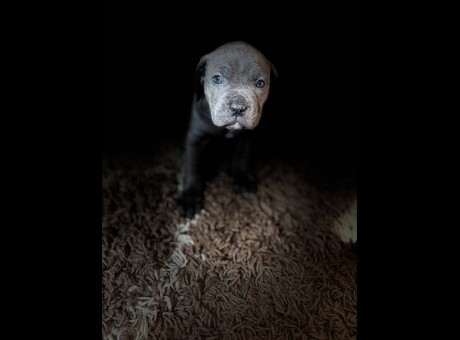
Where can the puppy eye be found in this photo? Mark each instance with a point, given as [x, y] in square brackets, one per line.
[218, 79]
[260, 83]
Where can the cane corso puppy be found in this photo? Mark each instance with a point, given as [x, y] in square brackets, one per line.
[232, 85]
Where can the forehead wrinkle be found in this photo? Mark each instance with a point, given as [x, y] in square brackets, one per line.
[255, 72]
[225, 70]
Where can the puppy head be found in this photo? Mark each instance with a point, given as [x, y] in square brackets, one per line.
[235, 79]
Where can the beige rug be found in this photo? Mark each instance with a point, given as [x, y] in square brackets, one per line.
[278, 264]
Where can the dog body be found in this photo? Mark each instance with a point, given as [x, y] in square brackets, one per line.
[232, 85]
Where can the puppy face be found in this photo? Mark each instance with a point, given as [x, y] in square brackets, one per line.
[236, 82]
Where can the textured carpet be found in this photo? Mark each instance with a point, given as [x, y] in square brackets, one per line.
[278, 264]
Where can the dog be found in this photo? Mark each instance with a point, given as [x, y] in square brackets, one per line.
[232, 84]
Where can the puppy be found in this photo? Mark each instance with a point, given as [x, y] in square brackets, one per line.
[232, 85]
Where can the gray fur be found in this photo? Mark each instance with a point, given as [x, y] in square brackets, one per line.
[231, 108]
[241, 65]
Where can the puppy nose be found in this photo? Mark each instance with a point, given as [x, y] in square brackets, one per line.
[238, 106]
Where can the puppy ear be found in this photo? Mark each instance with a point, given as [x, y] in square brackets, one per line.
[274, 70]
[199, 77]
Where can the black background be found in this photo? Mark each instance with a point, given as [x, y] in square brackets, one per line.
[148, 77]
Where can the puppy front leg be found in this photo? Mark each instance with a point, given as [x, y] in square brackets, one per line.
[190, 195]
[244, 181]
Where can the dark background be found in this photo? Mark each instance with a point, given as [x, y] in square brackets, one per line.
[148, 78]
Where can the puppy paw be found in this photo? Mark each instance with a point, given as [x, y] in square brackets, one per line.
[189, 203]
[244, 184]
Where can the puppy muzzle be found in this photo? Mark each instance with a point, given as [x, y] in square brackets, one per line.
[236, 111]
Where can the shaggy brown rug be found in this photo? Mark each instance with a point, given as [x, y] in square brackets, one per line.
[278, 264]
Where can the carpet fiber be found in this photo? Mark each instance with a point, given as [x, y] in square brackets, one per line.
[278, 264]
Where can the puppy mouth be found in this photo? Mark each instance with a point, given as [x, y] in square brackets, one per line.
[235, 125]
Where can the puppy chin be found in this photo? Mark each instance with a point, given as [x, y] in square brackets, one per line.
[234, 126]
[231, 123]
